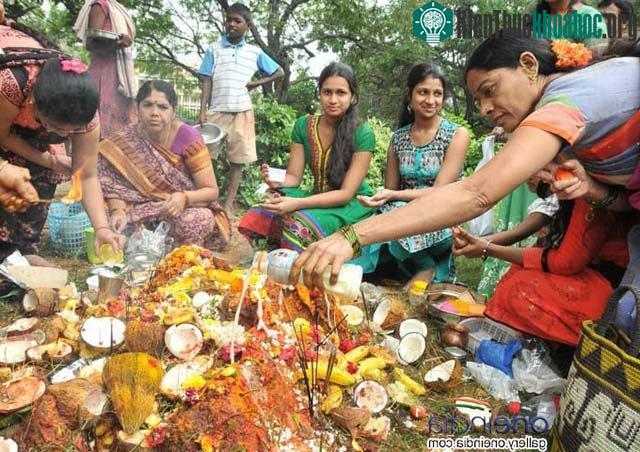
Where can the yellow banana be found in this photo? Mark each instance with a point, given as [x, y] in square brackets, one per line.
[375, 374]
[357, 354]
[411, 384]
[333, 399]
[338, 376]
[370, 363]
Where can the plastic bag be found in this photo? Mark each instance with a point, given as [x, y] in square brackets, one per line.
[498, 355]
[145, 247]
[483, 225]
[494, 381]
[533, 373]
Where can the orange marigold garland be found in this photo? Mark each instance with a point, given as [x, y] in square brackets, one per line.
[570, 54]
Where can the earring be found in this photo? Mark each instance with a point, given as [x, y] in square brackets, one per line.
[533, 76]
[409, 109]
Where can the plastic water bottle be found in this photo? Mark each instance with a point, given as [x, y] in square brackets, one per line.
[277, 266]
[543, 407]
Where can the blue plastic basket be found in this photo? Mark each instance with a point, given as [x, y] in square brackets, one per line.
[66, 228]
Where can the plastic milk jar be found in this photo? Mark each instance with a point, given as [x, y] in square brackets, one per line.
[277, 265]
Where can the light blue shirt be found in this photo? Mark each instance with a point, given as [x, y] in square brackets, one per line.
[231, 67]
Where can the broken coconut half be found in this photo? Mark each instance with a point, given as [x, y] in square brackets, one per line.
[354, 314]
[56, 351]
[371, 395]
[173, 380]
[22, 326]
[15, 352]
[184, 341]
[41, 302]
[21, 393]
[412, 347]
[103, 332]
[444, 376]
[412, 326]
[8, 445]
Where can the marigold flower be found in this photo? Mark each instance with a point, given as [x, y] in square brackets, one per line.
[570, 54]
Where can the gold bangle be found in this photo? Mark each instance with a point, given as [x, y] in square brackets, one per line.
[349, 233]
[485, 251]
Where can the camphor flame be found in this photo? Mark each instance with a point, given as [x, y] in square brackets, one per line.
[75, 194]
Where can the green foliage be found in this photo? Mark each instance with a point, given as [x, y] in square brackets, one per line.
[383, 133]
[474, 153]
[273, 130]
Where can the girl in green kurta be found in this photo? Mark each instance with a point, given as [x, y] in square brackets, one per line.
[338, 152]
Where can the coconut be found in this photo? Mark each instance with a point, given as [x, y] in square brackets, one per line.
[172, 382]
[412, 326]
[56, 352]
[184, 341]
[21, 393]
[382, 312]
[371, 395]
[22, 326]
[14, 352]
[132, 380]
[200, 299]
[377, 428]
[444, 376]
[132, 442]
[412, 347]
[103, 332]
[147, 337]
[8, 445]
[53, 328]
[354, 314]
[79, 399]
[40, 302]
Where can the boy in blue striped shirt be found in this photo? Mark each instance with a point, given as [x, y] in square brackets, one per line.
[227, 69]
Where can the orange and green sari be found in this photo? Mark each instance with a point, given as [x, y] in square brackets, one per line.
[144, 175]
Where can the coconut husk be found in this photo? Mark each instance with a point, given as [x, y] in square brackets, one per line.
[397, 314]
[132, 381]
[79, 400]
[53, 329]
[47, 428]
[21, 393]
[41, 302]
[145, 337]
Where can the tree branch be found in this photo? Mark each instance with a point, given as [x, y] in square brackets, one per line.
[288, 11]
[302, 80]
[325, 37]
[168, 54]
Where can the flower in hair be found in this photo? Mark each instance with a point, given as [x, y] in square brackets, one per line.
[570, 54]
[73, 65]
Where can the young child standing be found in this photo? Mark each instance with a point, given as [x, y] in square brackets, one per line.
[227, 69]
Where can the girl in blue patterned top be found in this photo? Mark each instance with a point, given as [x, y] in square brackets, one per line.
[426, 151]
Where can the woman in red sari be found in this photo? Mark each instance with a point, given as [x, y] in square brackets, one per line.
[551, 289]
[160, 169]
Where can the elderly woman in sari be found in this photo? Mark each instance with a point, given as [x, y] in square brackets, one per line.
[160, 169]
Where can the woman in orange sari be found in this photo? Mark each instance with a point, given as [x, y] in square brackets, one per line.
[160, 169]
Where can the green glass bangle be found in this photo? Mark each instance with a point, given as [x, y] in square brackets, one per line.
[611, 197]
